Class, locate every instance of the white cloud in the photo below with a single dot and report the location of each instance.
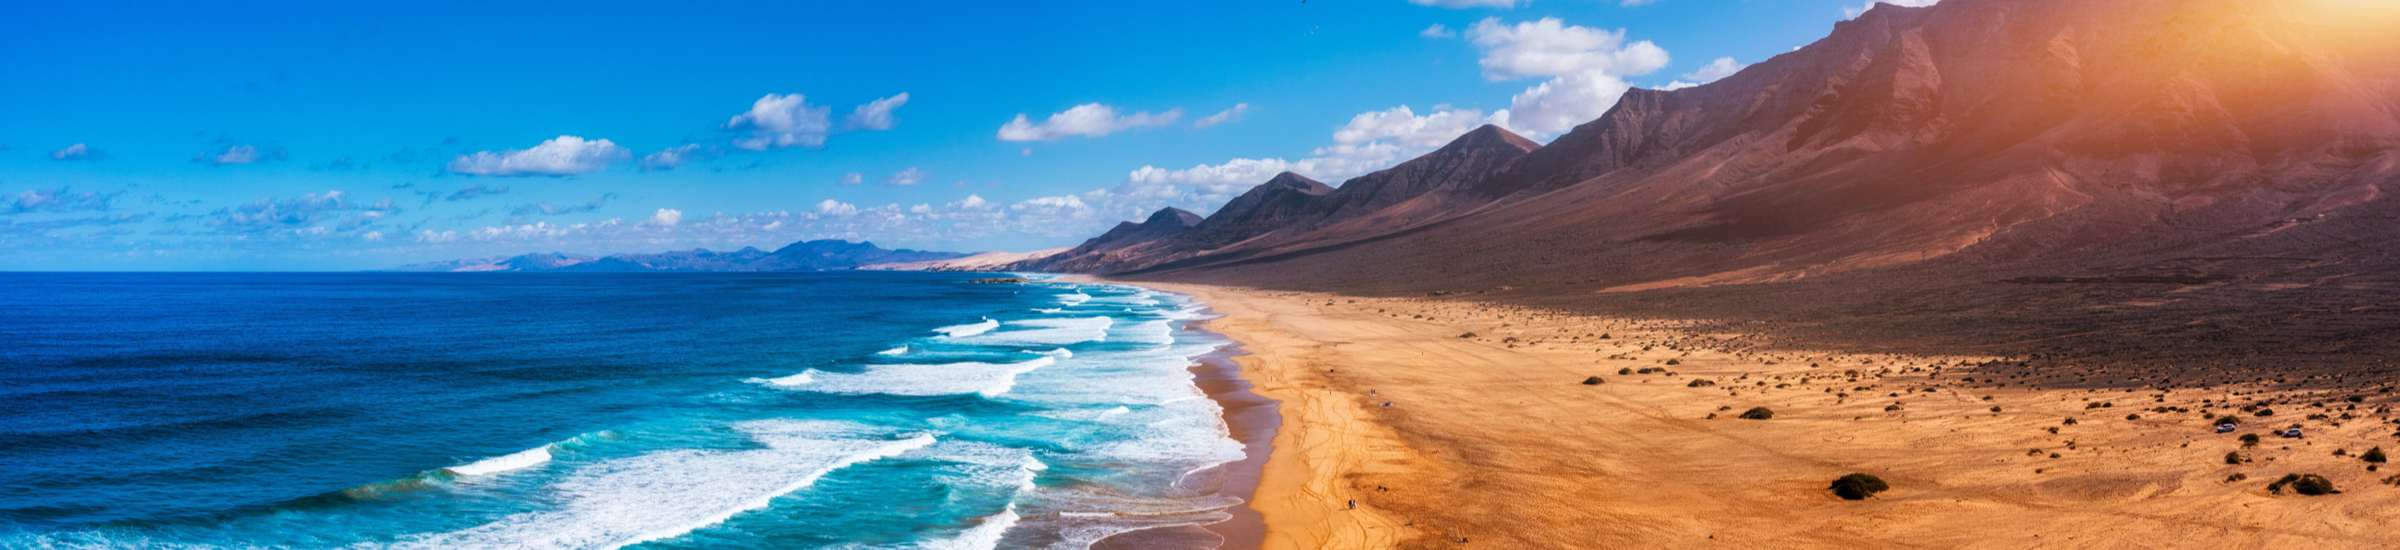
(1721, 68)
(876, 115)
(665, 217)
(671, 157)
(371, 236)
(1456, 4)
(910, 176)
(780, 121)
(1852, 12)
(853, 178)
(1087, 120)
(1560, 104)
(836, 208)
(1437, 31)
(566, 155)
(1549, 47)
(240, 154)
(1228, 115)
(1409, 130)
(77, 152)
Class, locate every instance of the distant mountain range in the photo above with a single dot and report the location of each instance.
(821, 255)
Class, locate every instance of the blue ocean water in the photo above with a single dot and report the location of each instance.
(811, 410)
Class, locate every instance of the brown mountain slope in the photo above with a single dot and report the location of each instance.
(1893, 172)
(1292, 210)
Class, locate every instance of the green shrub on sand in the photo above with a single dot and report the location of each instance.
(1859, 486)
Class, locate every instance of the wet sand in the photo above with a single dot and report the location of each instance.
(1492, 437)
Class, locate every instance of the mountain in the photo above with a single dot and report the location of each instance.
(1932, 169)
(821, 255)
(1291, 208)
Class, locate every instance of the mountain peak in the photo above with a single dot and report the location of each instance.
(1172, 217)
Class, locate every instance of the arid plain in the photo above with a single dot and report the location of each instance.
(1495, 440)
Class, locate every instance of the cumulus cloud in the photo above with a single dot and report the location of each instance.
(1228, 115)
(853, 178)
(1087, 120)
(903, 178)
(780, 121)
(1550, 47)
(671, 157)
(876, 115)
(547, 209)
(1437, 31)
(60, 200)
(78, 152)
(1852, 12)
(240, 154)
(1560, 104)
(563, 156)
(836, 208)
(665, 217)
(1720, 68)
(472, 191)
(1457, 4)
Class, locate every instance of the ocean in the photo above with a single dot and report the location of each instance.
(842, 410)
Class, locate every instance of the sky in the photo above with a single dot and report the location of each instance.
(357, 135)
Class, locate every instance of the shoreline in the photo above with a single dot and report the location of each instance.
(1447, 420)
(1251, 419)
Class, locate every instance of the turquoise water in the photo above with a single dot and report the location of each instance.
(835, 410)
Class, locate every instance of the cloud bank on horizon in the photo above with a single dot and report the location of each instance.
(1074, 151)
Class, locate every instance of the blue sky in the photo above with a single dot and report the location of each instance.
(336, 136)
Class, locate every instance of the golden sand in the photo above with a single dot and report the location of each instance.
(1494, 439)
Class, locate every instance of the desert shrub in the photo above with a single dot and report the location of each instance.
(1758, 413)
(1891, 407)
(1624, 371)
(2306, 484)
(2372, 455)
(1700, 383)
(1467, 335)
(1674, 361)
(2265, 412)
(2091, 405)
(2236, 478)
(2233, 458)
(2249, 440)
(2133, 417)
(1646, 370)
(1995, 409)
(1593, 381)
(1859, 486)
(2067, 422)
(2227, 419)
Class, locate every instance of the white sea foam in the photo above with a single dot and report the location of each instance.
(513, 461)
(983, 536)
(1046, 332)
(960, 331)
(1074, 299)
(1048, 309)
(666, 494)
(1150, 332)
(793, 380)
(893, 351)
(986, 379)
(1061, 353)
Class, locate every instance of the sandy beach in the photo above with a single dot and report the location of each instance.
(1491, 437)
